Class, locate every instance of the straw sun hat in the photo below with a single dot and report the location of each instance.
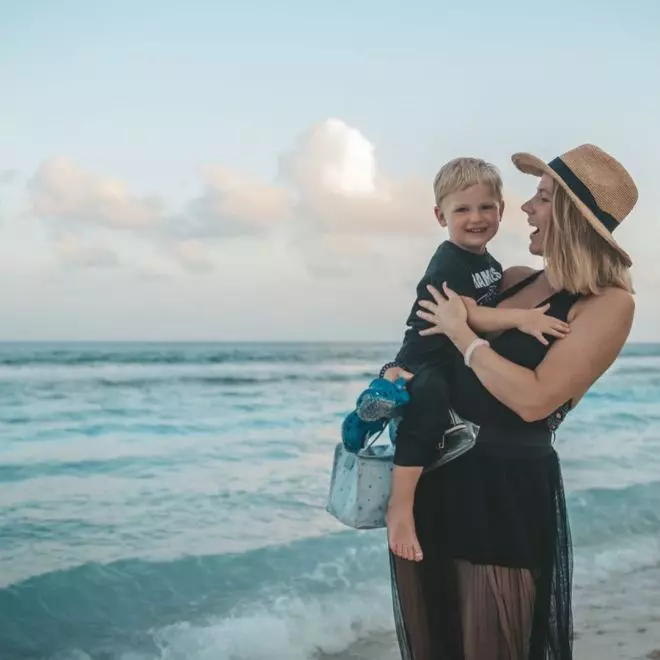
(599, 185)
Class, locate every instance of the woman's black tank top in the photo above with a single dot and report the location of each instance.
(474, 402)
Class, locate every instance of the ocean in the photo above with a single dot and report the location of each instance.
(167, 501)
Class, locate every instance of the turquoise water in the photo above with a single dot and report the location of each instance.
(166, 501)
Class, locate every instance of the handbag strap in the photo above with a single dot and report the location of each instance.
(374, 438)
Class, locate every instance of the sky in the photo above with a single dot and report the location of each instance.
(262, 170)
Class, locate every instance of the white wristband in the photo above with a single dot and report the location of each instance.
(470, 349)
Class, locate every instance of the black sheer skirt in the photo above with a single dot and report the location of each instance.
(495, 581)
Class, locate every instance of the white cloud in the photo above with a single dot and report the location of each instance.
(72, 251)
(232, 205)
(156, 267)
(63, 193)
(333, 158)
(330, 188)
(339, 188)
(193, 255)
(174, 259)
(343, 255)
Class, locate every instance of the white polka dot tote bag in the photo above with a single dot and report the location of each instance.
(360, 485)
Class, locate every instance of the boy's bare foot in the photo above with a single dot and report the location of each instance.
(401, 534)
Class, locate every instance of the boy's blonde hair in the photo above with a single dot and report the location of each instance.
(461, 173)
(577, 259)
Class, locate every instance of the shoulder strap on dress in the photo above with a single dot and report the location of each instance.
(518, 286)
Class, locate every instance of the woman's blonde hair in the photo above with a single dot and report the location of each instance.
(577, 259)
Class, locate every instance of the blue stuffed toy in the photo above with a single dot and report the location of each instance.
(382, 401)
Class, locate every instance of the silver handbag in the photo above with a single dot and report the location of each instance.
(360, 483)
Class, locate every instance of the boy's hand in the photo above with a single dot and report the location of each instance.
(393, 373)
(536, 322)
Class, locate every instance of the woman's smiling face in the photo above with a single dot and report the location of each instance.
(539, 214)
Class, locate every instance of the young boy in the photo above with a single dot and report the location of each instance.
(469, 204)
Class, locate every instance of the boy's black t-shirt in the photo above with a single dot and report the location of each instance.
(472, 275)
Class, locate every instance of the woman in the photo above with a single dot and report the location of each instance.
(495, 579)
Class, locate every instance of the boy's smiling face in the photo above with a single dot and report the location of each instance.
(472, 217)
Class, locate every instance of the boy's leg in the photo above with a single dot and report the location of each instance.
(424, 421)
(401, 534)
(425, 418)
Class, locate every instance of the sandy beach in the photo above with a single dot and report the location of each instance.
(619, 619)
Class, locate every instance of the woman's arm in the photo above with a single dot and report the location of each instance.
(599, 329)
